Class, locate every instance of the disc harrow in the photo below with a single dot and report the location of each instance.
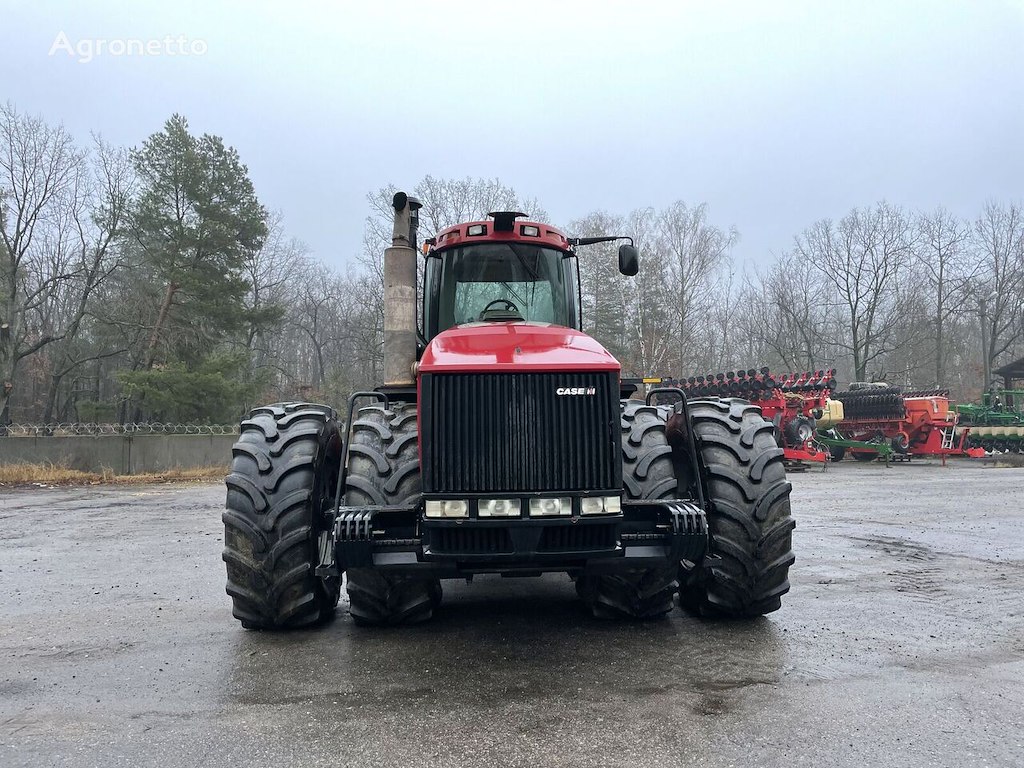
(872, 404)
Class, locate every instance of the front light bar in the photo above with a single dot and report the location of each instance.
(538, 507)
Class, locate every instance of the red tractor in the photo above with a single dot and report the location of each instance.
(502, 441)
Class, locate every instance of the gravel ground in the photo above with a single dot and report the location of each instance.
(901, 644)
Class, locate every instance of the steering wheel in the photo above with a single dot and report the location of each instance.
(509, 307)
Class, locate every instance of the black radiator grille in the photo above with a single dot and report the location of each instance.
(470, 540)
(577, 538)
(512, 432)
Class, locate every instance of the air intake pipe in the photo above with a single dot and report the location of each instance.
(400, 293)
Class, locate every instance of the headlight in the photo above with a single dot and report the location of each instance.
(447, 508)
(550, 507)
(498, 508)
(601, 505)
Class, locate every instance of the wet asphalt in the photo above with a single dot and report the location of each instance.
(901, 644)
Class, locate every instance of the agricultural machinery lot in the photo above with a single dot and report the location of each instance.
(901, 644)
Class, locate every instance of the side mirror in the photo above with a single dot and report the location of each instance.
(629, 261)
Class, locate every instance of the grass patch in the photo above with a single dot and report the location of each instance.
(51, 474)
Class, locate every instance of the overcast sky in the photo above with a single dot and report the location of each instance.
(776, 114)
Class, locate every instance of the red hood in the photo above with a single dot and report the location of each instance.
(515, 346)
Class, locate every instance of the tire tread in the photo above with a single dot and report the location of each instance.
(270, 546)
(750, 520)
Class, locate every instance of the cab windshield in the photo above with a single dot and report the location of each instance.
(502, 281)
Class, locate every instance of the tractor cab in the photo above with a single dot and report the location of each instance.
(495, 281)
(504, 270)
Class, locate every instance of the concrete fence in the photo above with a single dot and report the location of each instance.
(122, 454)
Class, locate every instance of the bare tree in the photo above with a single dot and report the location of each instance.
(648, 302)
(41, 173)
(277, 273)
(790, 315)
(317, 299)
(942, 255)
(999, 238)
(694, 252)
(96, 221)
(863, 260)
(272, 272)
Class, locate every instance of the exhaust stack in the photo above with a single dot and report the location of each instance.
(400, 293)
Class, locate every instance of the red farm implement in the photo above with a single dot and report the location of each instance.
(882, 421)
(793, 402)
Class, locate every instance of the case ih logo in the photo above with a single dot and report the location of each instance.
(576, 391)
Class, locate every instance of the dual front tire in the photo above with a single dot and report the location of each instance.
(284, 473)
(283, 469)
(750, 522)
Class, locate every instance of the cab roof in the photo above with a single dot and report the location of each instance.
(503, 226)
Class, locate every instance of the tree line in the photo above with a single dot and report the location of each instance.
(151, 284)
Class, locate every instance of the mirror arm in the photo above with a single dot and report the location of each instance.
(594, 241)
